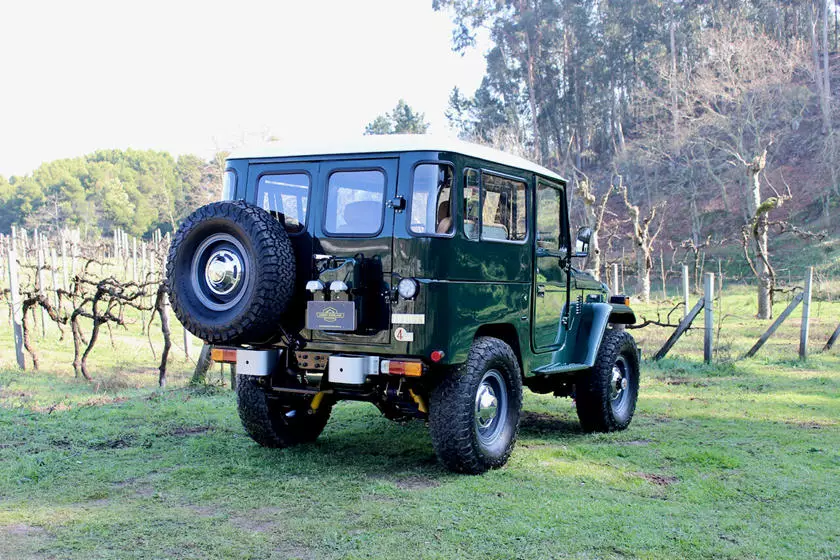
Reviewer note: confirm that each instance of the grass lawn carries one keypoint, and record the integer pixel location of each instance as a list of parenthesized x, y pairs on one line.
[(736, 460)]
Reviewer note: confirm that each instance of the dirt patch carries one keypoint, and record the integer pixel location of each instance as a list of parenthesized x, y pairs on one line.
[(415, 482), (115, 443), (692, 382), (21, 541), (811, 425), (293, 551), (21, 530), (259, 520), (657, 479), (191, 431)]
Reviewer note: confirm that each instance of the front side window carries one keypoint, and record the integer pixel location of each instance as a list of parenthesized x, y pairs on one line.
[(355, 202), (286, 197), (228, 185), (431, 200), (503, 208), (549, 237)]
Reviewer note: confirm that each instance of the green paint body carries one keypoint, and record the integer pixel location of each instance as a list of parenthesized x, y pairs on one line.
[(535, 301)]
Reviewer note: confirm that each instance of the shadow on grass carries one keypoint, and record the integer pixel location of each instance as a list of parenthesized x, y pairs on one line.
[(548, 426)]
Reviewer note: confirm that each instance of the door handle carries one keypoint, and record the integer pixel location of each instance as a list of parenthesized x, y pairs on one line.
[(540, 291)]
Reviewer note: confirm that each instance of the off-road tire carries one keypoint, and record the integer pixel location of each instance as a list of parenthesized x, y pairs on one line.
[(269, 284), (266, 417), (452, 414), (593, 392)]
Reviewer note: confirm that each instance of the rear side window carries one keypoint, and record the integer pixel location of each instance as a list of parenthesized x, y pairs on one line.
[(228, 185), (472, 203), (355, 203), (286, 197), (431, 200), (503, 208)]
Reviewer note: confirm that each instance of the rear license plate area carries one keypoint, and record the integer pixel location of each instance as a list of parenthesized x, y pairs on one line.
[(331, 315)]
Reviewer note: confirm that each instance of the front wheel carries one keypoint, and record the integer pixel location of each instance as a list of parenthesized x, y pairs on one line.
[(474, 414), (275, 420), (606, 397)]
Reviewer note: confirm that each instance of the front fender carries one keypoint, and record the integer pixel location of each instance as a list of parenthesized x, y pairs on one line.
[(594, 318), (622, 314)]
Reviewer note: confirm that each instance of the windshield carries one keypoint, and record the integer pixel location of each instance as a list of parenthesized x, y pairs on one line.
[(355, 202)]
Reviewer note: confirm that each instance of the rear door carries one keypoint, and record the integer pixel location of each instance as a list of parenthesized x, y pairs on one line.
[(286, 191), (353, 220)]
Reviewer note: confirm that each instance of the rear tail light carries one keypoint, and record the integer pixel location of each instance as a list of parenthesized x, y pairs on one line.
[(408, 369), (223, 355)]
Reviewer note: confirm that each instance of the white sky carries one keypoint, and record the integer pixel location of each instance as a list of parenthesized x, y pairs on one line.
[(191, 77)]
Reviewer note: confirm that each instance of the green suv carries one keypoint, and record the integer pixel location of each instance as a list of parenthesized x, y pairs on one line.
[(430, 277)]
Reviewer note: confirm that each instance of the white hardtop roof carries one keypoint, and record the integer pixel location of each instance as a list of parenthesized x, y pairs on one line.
[(385, 143)]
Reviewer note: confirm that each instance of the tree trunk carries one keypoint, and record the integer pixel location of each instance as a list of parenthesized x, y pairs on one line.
[(826, 89), (764, 272), (643, 263)]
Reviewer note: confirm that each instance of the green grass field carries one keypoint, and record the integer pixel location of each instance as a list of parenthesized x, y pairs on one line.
[(740, 459)]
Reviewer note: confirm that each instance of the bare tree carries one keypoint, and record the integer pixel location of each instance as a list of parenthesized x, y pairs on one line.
[(594, 208), (643, 239)]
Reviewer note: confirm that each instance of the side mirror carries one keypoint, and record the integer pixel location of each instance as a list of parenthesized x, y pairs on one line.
[(584, 234)]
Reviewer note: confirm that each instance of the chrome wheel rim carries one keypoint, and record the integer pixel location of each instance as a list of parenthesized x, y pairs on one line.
[(219, 272), (223, 272), (490, 406), (619, 385)]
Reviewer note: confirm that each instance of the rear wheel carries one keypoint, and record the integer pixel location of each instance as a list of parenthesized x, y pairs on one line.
[(474, 414), (606, 397), (275, 420)]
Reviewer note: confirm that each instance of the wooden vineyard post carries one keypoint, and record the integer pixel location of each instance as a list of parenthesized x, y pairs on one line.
[(662, 272), (54, 267), (16, 308), (806, 315), (615, 287), (41, 279), (781, 319), (683, 326), (709, 326), (134, 259), (188, 344), (832, 339), (685, 290), (65, 285)]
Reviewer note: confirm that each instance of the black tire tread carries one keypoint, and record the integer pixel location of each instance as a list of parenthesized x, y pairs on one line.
[(592, 394), (263, 419), (451, 423), (274, 282)]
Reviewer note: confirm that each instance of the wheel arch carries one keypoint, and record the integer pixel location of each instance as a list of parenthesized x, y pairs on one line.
[(508, 334)]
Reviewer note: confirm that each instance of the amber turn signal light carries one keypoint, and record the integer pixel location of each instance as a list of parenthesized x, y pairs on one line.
[(223, 355), (409, 369)]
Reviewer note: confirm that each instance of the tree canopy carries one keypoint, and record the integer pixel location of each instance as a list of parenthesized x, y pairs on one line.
[(402, 120), (135, 190)]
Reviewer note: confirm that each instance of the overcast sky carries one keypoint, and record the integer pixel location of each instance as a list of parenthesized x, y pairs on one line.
[(191, 77)]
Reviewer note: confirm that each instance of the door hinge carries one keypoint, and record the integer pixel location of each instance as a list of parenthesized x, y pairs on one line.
[(397, 203)]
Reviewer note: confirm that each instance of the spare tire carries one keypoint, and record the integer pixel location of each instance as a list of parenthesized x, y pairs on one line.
[(231, 273)]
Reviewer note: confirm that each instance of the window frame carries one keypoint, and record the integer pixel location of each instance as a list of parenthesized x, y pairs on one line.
[(234, 186), (308, 197), (562, 244), (481, 192), (452, 196), (382, 220)]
